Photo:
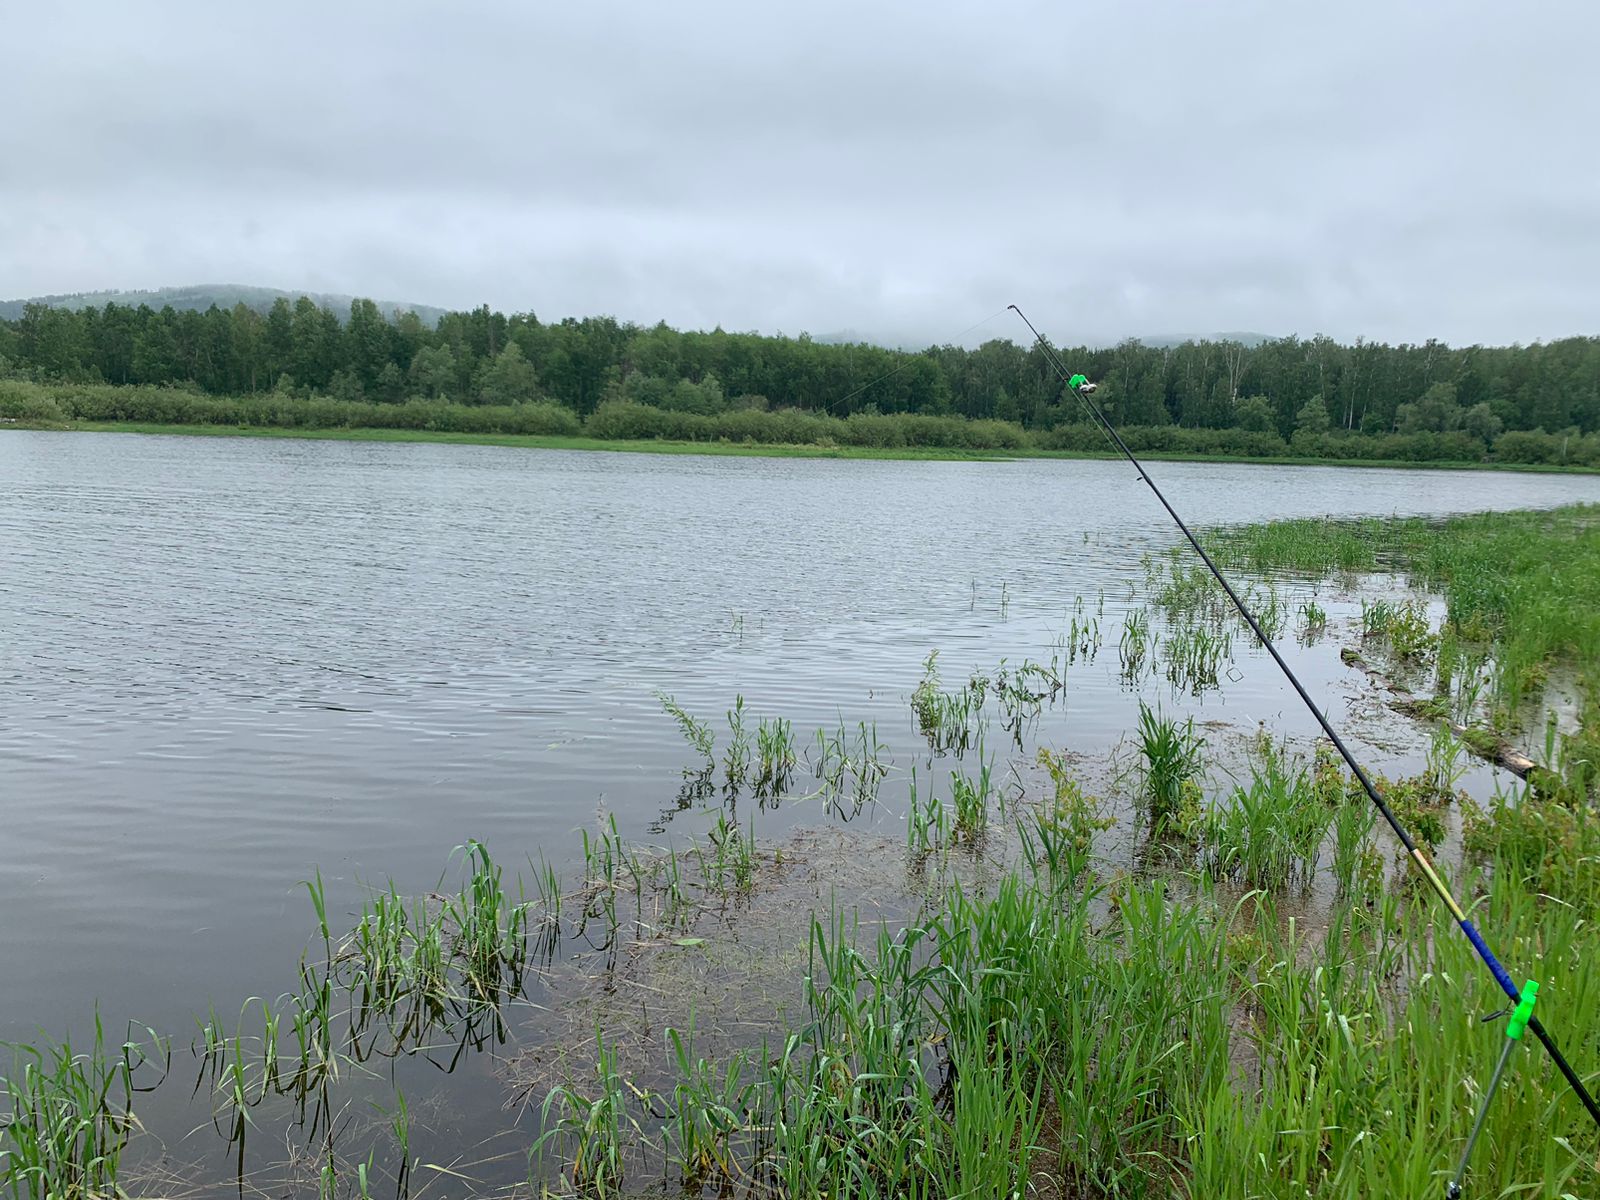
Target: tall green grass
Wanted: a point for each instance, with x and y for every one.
(1045, 1033)
(1270, 829)
(1172, 758)
(67, 1114)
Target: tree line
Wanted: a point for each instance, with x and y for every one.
(1315, 391)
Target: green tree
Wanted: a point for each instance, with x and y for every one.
(509, 378)
(1481, 423)
(1436, 411)
(1313, 417)
(433, 372)
(367, 337)
(1256, 414)
(391, 388)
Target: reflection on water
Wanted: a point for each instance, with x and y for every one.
(231, 665)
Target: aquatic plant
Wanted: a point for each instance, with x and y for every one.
(695, 731)
(849, 764)
(1173, 759)
(1136, 646)
(1194, 655)
(1069, 812)
(1445, 762)
(68, 1114)
(970, 798)
(947, 719)
(736, 759)
(591, 1125)
(775, 756)
(1270, 828)
(927, 821)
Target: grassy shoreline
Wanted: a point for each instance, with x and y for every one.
(754, 450)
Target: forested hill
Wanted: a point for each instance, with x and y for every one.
(1286, 386)
(202, 296)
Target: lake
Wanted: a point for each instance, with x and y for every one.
(230, 663)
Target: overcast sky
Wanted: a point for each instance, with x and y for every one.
(1391, 169)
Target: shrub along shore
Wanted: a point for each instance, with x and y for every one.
(626, 424)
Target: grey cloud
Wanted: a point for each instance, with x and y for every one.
(1388, 169)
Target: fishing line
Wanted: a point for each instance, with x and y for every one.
(1075, 384)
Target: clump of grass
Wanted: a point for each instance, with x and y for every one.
(1270, 609)
(1375, 617)
(1270, 829)
(68, 1114)
(1315, 546)
(1417, 805)
(1083, 635)
(971, 800)
(850, 764)
(708, 1113)
(732, 864)
(947, 719)
(1194, 656)
(1549, 844)
(1173, 759)
(592, 1124)
(1404, 626)
(1445, 763)
(488, 927)
(1313, 619)
(1185, 590)
(1070, 812)
(927, 821)
(775, 756)
(1136, 646)
(1022, 691)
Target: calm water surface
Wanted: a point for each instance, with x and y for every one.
(228, 663)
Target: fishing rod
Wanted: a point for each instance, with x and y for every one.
(1081, 388)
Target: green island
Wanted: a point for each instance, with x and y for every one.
(599, 383)
(1036, 1021)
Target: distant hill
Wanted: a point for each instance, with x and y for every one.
(202, 296)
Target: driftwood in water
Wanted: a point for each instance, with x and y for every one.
(1485, 743)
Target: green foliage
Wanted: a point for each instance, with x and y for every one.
(1549, 844)
(1255, 413)
(68, 1116)
(695, 731)
(947, 719)
(508, 379)
(1313, 417)
(1404, 626)
(1070, 812)
(1269, 829)
(1341, 402)
(1519, 585)
(1173, 758)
